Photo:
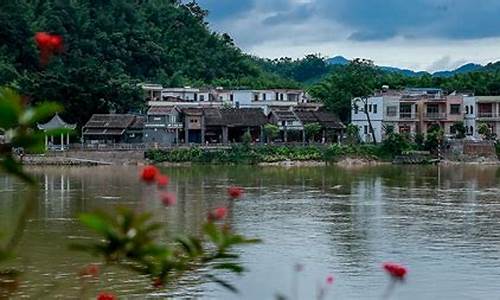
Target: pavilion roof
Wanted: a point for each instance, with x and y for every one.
(56, 123)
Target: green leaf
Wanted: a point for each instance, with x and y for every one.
(11, 166)
(230, 266)
(96, 222)
(222, 283)
(10, 108)
(213, 233)
(191, 245)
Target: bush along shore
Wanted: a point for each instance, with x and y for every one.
(252, 155)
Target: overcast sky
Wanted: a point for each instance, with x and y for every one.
(417, 34)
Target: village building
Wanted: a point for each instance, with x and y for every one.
(373, 106)
(156, 95)
(290, 126)
(332, 129)
(470, 115)
(113, 129)
(228, 125)
(413, 111)
(488, 112)
(163, 126)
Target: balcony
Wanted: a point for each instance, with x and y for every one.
(435, 116)
(407, 116)
(488, 116)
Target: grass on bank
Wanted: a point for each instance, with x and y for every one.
(242, 154)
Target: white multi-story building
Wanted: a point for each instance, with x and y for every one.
(470, 110)
(156, 95)
(374, 107)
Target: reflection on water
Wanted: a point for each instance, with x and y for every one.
(443, 223)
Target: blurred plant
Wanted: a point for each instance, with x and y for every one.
(17, 122)
(129, 239)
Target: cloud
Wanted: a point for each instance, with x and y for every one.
(366, 28)
(446, 63)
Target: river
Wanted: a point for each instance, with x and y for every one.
(442, 223)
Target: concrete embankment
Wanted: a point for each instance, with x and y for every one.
(86, 158)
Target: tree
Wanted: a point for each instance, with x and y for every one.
(311, 130)
(352, 134)
(434, 138)
(271, 131)
(485, 130)
(343, 91)
(459, 129)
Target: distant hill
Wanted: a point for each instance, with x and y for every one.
(470, 67)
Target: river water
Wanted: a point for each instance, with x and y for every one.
(442, 223)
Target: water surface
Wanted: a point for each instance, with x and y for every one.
(443, 223)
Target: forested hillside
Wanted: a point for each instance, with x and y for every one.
(111, 45)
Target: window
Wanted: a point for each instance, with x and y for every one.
(202, 97)
(392, 111)
(277, 96)
(432, 109)
(374, 108)
(472, 109)
(281, 97)
(454, 109)
(264, 96)
(231, 97)
(370, 108)
(355, 109)
(366, 129)
(221, 98)
(467, 110)
(256, 97)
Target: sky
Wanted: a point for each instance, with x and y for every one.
(426, 35)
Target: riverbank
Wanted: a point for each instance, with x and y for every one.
(285, 156)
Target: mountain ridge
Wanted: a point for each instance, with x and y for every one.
(466, 68)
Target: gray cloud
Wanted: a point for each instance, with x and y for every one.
(369, 28)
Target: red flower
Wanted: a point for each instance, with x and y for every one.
(168, 199)
(395, 270)
(235, 192)
(42, 39)
(218, 214)
(90, 270)
(48, 45)
(330, 279)
(162, 180)
(106, 296)
(149, 173)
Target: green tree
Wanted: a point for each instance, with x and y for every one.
(271, 131)
(312, 130)
(459, 129)
(352, 134)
